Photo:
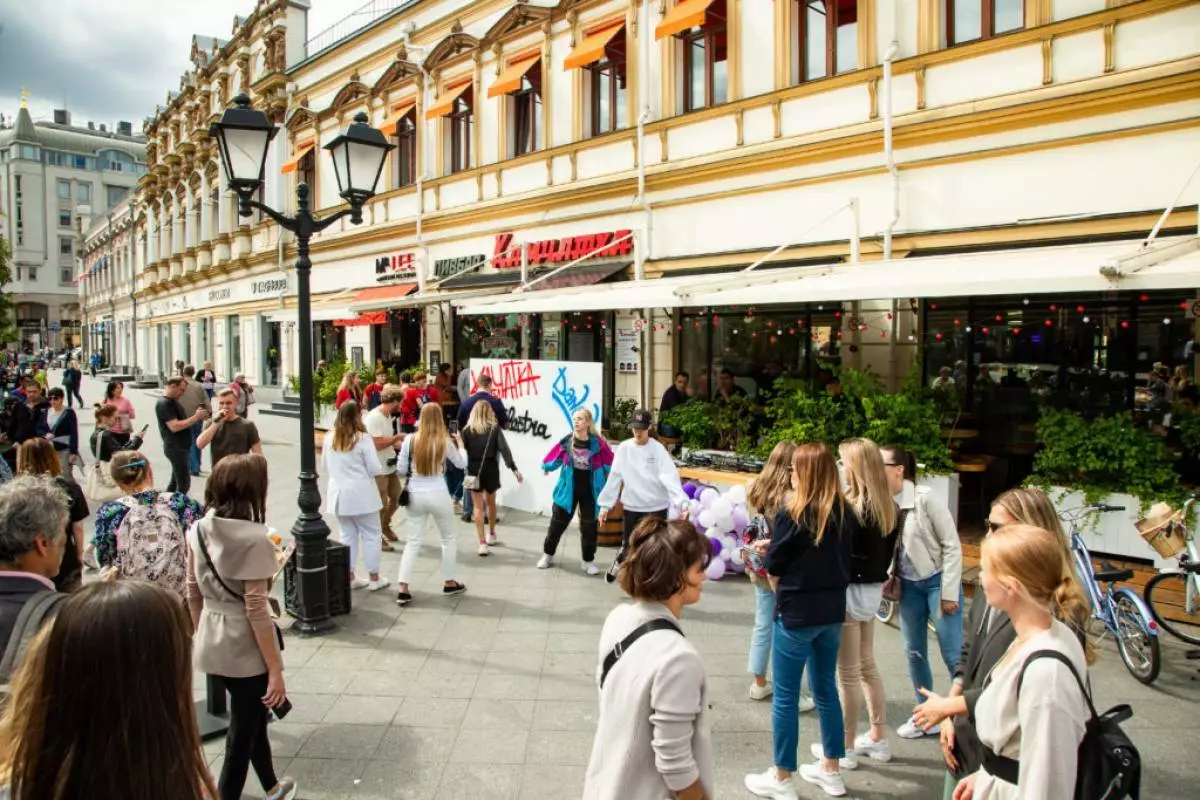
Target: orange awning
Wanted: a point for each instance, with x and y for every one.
(301, 151)
(444, 104)
(591, 49)
(398, 113)
(382, 294)
(685, 15)
(510, 79)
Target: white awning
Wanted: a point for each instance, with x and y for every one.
(1168, 264)
(653, 293)
(430, 298)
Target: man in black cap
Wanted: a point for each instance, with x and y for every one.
(643, 475)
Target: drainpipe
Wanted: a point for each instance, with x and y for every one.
(643, 240)
(890, 155)
(133, 286)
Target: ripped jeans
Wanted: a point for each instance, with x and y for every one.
(921, 601)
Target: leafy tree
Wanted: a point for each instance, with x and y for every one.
(8, 328)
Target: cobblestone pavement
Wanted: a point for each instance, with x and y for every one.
(491, 694)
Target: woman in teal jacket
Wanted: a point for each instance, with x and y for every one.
(583, 459)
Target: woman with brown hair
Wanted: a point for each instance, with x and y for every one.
(230, 565)
(38, 457)
(352, 462)
(78, 680)
(1032, 712)
(140, 536)
(423, 458)
(652, 738)
(349, 390)
(808, 561)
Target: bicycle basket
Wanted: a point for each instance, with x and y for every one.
(1163, 529)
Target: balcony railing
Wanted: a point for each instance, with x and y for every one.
(352, 23)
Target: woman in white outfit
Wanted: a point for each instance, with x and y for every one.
(1034, 725)
(351, 463)
(423, 458)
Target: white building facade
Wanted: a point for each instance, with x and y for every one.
(585, 180)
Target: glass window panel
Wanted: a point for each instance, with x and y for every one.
(720, 67)
(968, 20)
(846, 44)
(619, 112)
(815, 41)
(603, 88)
(1009, 15)
(697, 76)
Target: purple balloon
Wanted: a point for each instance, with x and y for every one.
(736, 565)
(690, 489)
(740, 518)
(716, 546)
(716, 569)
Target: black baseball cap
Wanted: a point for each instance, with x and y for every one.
(641, 420)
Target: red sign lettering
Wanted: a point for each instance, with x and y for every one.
(561, 251)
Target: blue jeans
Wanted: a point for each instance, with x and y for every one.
(454, 481)
(816, 646)
(194, 452)
(921, 601)
(760, 640)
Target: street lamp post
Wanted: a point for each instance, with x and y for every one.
(243, 136)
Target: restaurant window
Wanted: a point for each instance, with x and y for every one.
(606, 82)
(487, 336)
(969, 20)
(233, 327)
(405, 155)
(828, 37)
(706, 60)
(527, 110)
(460, 121)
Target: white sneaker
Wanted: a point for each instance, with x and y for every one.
(910, 730)
(807, 703)
(375, 586)
(545, 562)
(766, 784)
(589, 567)
(359, 583)
(864, 745)
(483, 549)
(847, 761)
(830, 782)
(761, 692)
(285, 791)
(492, 539)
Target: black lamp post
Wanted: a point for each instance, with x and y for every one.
(243, 135)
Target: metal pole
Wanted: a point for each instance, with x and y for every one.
(133, 353)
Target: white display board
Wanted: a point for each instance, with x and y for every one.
(541, 397)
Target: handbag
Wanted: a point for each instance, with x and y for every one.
(892, 588)
(402, 499)
(100, 485)
(225, 586)
(471, 482)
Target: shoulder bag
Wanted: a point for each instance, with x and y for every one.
(100, 485)
(892, 588)
(610, 661)
(471, 482)
(225, 586)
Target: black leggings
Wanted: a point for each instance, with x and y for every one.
(246, 740)
(560, 519)
(629, 521)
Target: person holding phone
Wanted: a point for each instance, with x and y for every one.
(229, 568)
(228, 433)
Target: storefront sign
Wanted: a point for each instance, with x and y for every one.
(627, 351)
(365, 318)
(540, 397)
(448, 267)
(273, 286)
(233, 292)
(506, 255)
(217, 295)
(395, 268)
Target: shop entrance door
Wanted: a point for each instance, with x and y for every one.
(397, 342)
(272, 339)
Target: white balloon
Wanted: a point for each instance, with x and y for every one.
(729, 547)
(737, 494)
(724, 524)
(707, 519)
(721, 507)
(713, 533)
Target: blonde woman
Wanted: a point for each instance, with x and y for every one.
(423, 459)
(870, 499)
(351, 462)
(583, 460)
(1033, 711)
(350, 389)
(485, 444)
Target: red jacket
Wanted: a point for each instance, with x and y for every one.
(414, 398)
(347, 394)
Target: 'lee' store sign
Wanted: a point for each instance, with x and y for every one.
(505, 255)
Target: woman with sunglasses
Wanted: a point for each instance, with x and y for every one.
(930, 566)
(989, 634)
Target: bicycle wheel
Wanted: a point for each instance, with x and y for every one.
(1175, 605)
(886, 612)
(1139, 650)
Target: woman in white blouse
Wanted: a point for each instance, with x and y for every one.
(1038, 721)
(423, 458)
(351, 462)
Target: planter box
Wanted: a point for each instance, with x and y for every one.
(945, 488)
(1112, 534)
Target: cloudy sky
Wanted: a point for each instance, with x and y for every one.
(110, 60)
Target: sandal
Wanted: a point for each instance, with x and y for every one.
(454, 588)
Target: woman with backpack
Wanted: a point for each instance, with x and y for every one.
(140, 536)
(1033, 712)
(37, 457)
(486, 444)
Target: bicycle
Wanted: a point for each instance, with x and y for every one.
(1179, 587)
(1122, 611)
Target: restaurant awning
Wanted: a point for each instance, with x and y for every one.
(1033, 270)
(685, 15)
(398, 113)
(444, 104)
(381, 296)
(510, 80)
(659, 293)
(591, 49)
(301, 151)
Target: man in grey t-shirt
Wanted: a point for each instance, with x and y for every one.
(193, 398)
(228, 433)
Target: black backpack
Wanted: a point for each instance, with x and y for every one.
(36, 610)
(1108, 767)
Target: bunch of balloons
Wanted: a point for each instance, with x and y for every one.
(722, 517)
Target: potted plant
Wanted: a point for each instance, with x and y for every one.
(694, 420)
(619, 418)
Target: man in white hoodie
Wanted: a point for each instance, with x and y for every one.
(643, 475)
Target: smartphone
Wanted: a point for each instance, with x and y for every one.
(283, 709)
(454, 427)
(145, 428)
(752, 557)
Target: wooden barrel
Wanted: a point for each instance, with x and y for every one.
(609, 534)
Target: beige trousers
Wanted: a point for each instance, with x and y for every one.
(857, 674)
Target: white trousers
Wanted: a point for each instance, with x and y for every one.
(422, 506)
(364, 533)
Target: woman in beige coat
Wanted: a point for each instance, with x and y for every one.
(230, 564)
